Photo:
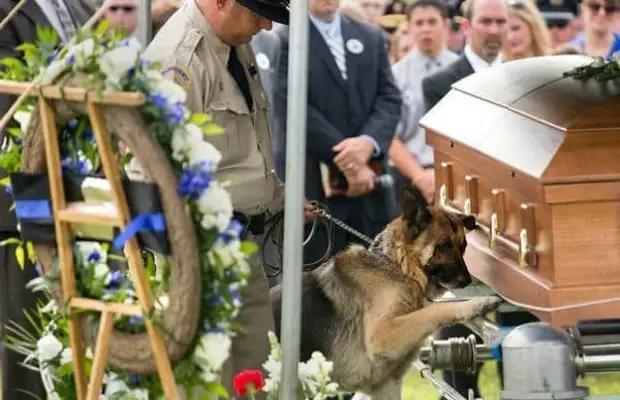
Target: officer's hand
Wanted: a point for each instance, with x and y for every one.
(361, 181)
(425, 181)
(353, 153)
(308, 210)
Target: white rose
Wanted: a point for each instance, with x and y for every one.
(204, 151)
(48, 347)
(23, 117)
(82, 51)
(215, 349)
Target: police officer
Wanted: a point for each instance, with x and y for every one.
(205, 48)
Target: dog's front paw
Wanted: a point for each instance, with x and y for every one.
(479, 306)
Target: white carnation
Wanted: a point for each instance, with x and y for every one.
(48, 347)
(82, 51)
(102, 271)
(170, 90)
(214, 348)
(116, 63)
(86, 249)
(204, 151)
(65, 356)
(115, 386)
(215, 202)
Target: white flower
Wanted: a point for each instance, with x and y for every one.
(139, 394)
(88, 249)
(50, 307)
(168, 89)
(216, 207)
(23, 117)
(161, 303)
(48, 347)
(214, 347)
(65, 356)
(204, 151)
(82, 51)
(103, 271)
(115, 386)
(116, 63)
(53, 71)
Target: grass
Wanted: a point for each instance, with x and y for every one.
(417, 388)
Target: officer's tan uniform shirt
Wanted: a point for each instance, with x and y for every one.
(191, 54)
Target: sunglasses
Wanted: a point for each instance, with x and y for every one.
(596, 7)
(126, 9)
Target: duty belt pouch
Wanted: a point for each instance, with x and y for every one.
(33, 208)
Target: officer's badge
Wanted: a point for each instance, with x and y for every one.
(179, 75)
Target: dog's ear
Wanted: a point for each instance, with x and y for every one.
(469, 221)
(415, 211)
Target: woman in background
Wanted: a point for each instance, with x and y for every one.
(528, 35)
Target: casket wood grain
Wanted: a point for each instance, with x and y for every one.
(536, 157)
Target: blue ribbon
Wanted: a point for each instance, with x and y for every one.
(33, 209)
(151, 222)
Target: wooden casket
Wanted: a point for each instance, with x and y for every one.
(536, 157)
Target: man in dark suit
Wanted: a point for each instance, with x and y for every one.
(484, 25)
(65, 17)
(353, 109)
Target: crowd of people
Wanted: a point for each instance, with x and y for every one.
(375, 68)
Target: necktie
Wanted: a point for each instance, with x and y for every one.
(64, 18)
(337, 49)
(236, 70)
(432, 65)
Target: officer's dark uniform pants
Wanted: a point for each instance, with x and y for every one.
(18, 382)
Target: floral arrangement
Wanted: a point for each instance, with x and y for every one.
(111, 62)
(600, 69)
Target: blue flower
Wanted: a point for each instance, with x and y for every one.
(174, 113)
(134, 380)
(95, 256)
(235, 230)
(136, 320)
(72, 123)
(195, 180)
(8, 190)
(116, 278)
(88, 134)
(71, 60)
(18, 140)
(37, 268)
(158, 100)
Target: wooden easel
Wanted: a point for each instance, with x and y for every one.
(67, 214)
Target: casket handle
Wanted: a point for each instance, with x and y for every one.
(470, 205)
(446, 190)
(498, 217)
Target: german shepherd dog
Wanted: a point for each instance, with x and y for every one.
(367, 310)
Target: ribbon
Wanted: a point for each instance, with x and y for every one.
(33, 210)
(151, 222)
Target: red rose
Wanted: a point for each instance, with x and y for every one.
(248, 381)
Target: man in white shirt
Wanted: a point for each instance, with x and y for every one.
(484, 26)
(412, 159)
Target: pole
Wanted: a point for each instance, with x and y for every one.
(294, 195)
(144, 22)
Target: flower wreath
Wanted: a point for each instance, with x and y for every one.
(600, 69)
(111, 62)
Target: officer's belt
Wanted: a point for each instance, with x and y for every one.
(254, 224)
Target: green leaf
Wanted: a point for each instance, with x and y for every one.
(10, 241)
(102, 27)
(217, 389)
(248, 247)
(199, 118)
(212, 129)
(20, 256)
(5, 181)
(13, 131)
(32, 256)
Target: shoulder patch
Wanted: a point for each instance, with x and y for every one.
(179, 75)
(179, 71)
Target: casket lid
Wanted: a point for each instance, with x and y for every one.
(522, 112)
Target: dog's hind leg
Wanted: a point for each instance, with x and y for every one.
(394, 337)
(391, 390)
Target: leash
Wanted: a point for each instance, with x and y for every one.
(323, 219)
